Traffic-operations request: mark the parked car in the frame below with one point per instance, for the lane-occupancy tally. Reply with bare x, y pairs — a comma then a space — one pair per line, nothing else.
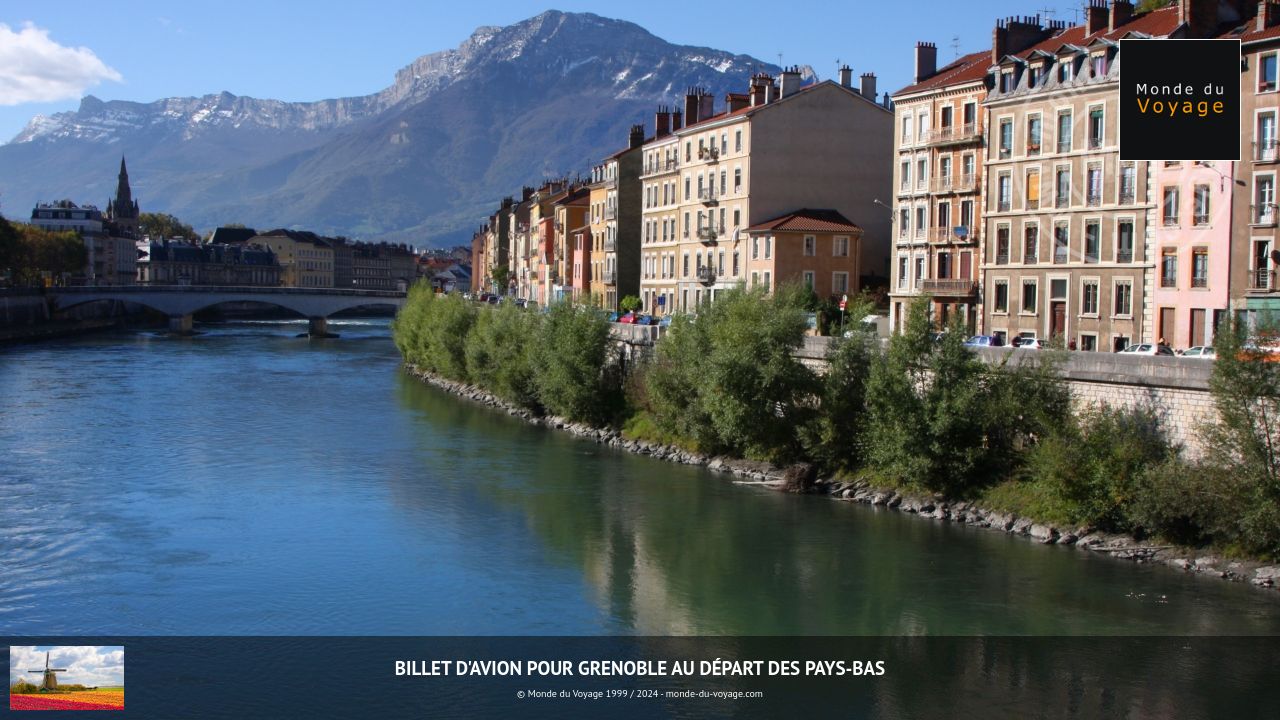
1205, 352
645, 320
628, 319
664, 321
1026, 343
614, 317
1148, 349
984, 341
494, 299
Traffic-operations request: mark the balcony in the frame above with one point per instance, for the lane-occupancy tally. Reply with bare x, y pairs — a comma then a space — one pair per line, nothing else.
1126, 196
948, 235
1095, 143
710, 154
610, 212
706, 274
1263, 214
1064, 146
1030, 256
1033, 149
1032, 203
953, 135
1261, 280
709, 233
951, 288
1060, 256
1124, 255
1005, 153
1061, 201
1265, 152
708, 196
1093, 200
1201, 219
610, 244
609, 277
1199, 281
1002, 258
661, 166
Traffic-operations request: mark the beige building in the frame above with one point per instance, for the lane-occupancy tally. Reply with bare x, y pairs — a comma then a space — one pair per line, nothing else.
937, 179
776, 149
593, 274
305, 259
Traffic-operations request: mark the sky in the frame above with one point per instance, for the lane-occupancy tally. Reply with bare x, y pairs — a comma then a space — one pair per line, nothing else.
88, 665
52, 54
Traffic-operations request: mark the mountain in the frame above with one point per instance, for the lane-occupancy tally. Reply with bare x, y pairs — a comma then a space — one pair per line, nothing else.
421, 161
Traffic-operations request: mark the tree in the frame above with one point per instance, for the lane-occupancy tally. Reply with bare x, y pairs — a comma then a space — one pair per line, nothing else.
162, 225
837, 436
569, 364
630, 303
501, 276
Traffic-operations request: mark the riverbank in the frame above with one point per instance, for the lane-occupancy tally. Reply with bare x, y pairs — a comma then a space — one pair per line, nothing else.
55, 329
1189, 560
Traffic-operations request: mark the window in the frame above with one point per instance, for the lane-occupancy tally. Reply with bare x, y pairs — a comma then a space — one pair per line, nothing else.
1002, 296
1265, 200
1033, 135
737, 180
1124, 298
1004, 190
1200, 268
1267, 72
1170, 206
686, 264
1033, 75
1099, 63
1093, 185
1124, 241
1006, 81
737, 141
1029, 290
944, 266
810, 245
1128, 183
1032, 200
755, 248
1061, 243
766, 281
1202, 205
904, 222
1002, 245
966, 215
1062, 195
839, 283
686, 187
1006, 138
1168, 268
970, 116
1096, 132
906, 129
1088, 342
808, 279
1064, 71
944, 170
1092, 240
737, 217
922, 173
735, 263
1031, 244
1089, 297
922, 221
919, 269
1064, 132
902, 271
905, 182
944, 217
768, 247
840, 246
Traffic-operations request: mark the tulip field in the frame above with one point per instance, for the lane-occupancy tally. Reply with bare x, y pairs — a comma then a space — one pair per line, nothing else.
110, 699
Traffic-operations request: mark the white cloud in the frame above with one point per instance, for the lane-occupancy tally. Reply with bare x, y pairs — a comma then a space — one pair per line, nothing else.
91, 665
34, 68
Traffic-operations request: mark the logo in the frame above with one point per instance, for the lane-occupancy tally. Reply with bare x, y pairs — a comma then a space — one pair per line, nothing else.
69, 677
1179, 99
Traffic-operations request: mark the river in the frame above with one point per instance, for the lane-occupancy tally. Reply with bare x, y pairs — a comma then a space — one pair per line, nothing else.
249, 482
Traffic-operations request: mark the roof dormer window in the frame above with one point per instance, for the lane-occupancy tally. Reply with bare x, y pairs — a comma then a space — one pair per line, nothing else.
1098, 64
1006, 81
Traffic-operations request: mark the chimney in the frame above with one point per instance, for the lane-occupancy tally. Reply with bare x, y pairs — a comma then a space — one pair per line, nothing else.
846, 76
706, 104
758, 83
926, 60
1015, 34
691, 106
1268, 14
677, 121
770, 92
868, 88
790, 81
1121, 11
662, 122
1200, 17
1095, 16
636, 139
526, 193
735, 101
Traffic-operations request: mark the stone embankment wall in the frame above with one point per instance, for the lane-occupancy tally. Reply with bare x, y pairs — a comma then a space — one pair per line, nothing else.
1176, 388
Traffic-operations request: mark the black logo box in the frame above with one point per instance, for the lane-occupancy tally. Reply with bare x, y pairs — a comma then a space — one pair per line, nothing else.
1193, 65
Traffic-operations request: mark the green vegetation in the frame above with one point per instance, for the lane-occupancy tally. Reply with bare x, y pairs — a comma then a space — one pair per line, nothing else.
22, 687
162, 226
28, 253
925, 415
630, 303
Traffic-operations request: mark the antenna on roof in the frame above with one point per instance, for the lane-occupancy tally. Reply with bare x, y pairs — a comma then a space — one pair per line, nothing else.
780, 59
955, 45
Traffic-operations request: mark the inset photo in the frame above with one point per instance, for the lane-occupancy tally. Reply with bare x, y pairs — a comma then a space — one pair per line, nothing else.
66, 677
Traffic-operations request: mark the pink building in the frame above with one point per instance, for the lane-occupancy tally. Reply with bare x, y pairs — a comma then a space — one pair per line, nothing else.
581, 267
1191, 250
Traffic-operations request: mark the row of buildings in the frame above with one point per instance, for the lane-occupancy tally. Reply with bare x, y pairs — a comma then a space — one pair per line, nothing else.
1016, 213
777, 183
120, 254
1004, 195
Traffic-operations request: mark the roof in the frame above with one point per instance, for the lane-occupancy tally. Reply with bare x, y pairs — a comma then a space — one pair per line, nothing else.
807, 220
1247, 32
965, 69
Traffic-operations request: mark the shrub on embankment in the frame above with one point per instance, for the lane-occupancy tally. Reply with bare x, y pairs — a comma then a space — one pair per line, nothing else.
925, 414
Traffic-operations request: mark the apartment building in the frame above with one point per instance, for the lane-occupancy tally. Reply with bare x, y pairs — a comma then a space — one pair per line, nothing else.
595, 235
570, 210
518, 244
771, 151
622, 219
937, 179
1255, 250
305, 259
819, 248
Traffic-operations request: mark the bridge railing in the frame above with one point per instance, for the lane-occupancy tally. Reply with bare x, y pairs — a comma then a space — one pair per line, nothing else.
236, 289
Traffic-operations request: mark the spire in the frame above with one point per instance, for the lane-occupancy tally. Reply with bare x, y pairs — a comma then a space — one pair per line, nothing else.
124, 207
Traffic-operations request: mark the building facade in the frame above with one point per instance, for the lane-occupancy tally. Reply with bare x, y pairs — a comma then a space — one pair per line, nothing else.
306, 260
937, 176
169, 262
818, 248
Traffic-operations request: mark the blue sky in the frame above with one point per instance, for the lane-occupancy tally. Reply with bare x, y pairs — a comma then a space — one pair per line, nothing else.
90, 665
51, 54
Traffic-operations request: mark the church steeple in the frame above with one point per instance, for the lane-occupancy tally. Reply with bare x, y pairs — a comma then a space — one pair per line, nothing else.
123, 210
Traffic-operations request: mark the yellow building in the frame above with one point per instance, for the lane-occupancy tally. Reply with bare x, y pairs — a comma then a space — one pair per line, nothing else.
305, 259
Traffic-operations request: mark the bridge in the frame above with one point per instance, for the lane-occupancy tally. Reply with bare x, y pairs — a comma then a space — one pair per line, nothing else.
180, 302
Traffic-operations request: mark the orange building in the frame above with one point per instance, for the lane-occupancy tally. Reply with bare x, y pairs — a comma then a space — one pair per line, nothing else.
819, 248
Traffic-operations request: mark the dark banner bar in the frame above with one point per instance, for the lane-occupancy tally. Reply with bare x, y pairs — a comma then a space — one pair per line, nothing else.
645, 677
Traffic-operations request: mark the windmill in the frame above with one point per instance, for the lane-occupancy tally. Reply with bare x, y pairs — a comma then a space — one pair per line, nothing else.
50, 678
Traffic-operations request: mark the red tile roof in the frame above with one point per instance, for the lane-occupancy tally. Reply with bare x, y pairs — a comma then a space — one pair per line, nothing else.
807, 220
966, 69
